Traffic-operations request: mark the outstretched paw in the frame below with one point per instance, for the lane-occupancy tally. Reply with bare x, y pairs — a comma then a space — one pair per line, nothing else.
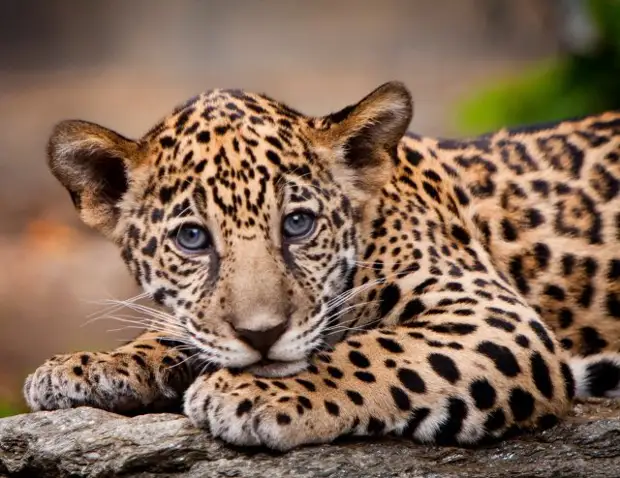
118, 382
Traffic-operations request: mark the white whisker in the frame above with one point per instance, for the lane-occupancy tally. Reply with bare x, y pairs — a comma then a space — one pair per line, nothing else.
185, 360
145, 323
361, 328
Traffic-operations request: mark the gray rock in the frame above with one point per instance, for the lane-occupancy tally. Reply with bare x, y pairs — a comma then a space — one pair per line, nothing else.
93, 443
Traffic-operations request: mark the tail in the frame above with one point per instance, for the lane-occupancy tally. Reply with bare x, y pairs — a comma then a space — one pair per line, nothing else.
596, 375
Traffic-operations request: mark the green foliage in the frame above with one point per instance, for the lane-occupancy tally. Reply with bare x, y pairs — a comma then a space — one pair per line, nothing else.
8, 408
570, 86
606, 17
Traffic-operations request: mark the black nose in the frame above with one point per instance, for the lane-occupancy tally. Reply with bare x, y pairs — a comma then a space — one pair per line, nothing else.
262, 340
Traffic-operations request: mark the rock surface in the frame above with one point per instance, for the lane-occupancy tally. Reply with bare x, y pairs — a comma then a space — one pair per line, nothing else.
93, 443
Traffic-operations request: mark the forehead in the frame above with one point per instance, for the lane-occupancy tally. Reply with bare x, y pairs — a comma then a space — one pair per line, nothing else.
228, 115
228, 150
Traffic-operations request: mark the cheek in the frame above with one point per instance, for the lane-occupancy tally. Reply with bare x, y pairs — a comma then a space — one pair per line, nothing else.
344, 244
314, 258
139, 249
343, 261
193, 278
164, 272
328, 260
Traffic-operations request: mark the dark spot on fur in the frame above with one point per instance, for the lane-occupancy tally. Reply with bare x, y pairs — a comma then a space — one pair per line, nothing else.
501, 356
401, 399
244, 407
445, 367
593, 343
389, 297
542, 378
355, 397
521, 404
461, 234
365, 377
569, 380
500, 324
413, 308
306, 384
203, 137
390, 345
335, 372
305, 402
150, 248
417, 417
358, 359
523, 341
332, 408
283, 419
375, 426
483, 393
450, 428
509, 231
542, 334
411, 380
603, 376
495, 420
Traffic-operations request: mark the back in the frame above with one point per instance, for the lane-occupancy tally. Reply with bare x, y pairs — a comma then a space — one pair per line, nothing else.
547, 202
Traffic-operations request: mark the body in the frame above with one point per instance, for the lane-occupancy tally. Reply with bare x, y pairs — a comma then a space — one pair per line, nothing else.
545, 201
332, 276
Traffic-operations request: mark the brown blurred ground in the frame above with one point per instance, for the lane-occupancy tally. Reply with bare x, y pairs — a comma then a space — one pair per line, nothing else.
125, 64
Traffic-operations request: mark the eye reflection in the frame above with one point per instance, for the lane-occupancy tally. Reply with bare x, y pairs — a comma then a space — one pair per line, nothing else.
192, 238
298, 225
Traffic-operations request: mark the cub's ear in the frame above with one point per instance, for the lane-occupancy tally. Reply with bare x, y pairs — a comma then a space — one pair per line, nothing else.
362, 138
94, 164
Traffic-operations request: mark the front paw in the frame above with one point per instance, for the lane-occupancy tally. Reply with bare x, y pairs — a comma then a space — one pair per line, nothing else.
225, 414
111, 382
248, 411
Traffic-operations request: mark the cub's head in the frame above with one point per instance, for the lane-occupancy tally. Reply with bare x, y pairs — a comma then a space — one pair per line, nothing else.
238, 214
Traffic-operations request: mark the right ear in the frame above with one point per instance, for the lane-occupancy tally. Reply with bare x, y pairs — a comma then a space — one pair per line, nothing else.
94, 164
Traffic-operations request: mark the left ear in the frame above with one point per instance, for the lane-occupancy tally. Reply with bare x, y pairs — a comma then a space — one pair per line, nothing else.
362, 138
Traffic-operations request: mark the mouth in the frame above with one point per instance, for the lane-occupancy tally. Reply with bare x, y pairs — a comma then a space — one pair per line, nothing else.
275, 368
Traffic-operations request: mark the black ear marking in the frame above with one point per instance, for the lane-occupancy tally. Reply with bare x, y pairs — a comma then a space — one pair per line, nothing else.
365, 135
110, 174
361, 147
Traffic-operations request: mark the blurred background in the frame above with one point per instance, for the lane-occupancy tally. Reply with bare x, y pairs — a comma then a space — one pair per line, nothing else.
472, 65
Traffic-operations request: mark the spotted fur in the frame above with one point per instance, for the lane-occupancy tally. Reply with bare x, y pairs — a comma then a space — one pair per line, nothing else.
451, 292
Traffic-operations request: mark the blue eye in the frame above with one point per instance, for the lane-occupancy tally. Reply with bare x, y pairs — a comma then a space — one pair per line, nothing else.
192, 238
298, 225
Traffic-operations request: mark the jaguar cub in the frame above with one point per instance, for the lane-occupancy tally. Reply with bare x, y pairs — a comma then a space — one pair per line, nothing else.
330, 276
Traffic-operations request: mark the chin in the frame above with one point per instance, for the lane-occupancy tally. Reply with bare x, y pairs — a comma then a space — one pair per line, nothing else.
277, 368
